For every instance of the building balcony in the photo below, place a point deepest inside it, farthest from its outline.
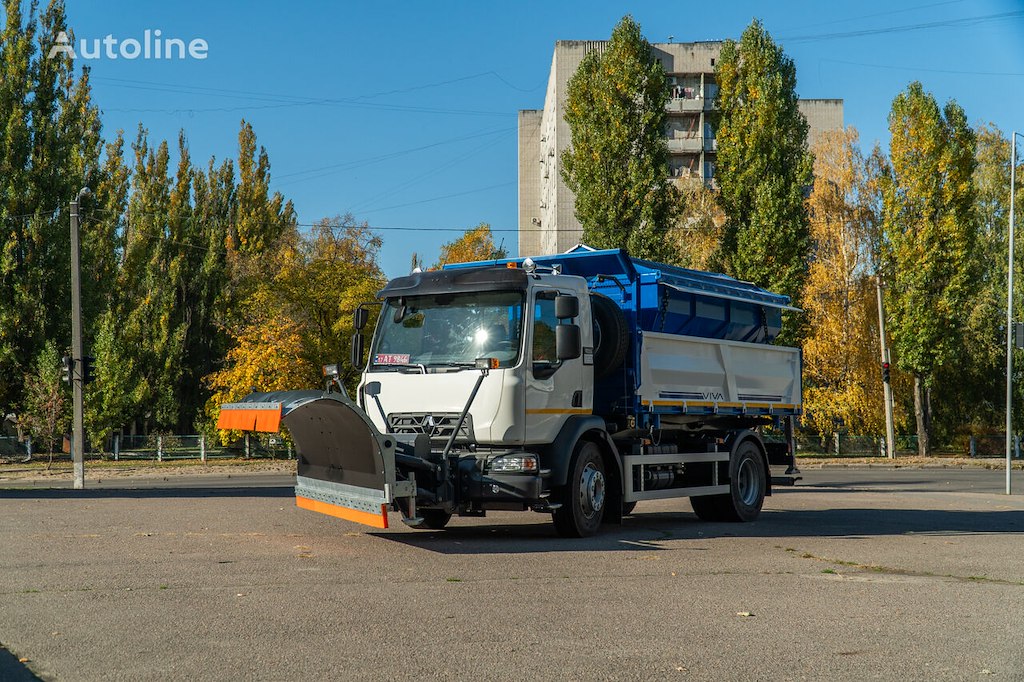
(682, 105)
(685, 145)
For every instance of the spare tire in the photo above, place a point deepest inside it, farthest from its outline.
(611, 335)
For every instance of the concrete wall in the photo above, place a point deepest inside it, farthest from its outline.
(529, 181)
(821, 115)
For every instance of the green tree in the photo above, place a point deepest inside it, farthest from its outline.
(475, 244)
(763, 166)
(978, 400)
(259, 218)
(17, 334)
(617, 166)
(195, 246)
(49, 148)
(46, 411)
(930, 236)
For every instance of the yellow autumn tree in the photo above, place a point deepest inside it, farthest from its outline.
(330, 272)
(696, 234)
(842, 375)
(299, 317)
(267, 356)
(476, 244)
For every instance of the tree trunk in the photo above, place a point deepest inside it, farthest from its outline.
(921, 413)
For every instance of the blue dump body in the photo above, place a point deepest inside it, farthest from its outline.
(664, 298)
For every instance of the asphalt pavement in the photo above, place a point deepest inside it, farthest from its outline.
(854, 574)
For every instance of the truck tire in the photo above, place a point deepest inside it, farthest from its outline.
(435, 518)
(584, 494)
(748, 483)
(611, 335)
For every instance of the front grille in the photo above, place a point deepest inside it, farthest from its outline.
(438, 425)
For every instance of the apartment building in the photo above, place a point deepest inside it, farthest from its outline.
(547, 220)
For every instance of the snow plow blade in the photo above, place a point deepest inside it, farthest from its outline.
(346, 467)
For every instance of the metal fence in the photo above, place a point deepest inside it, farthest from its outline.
(172, 446)
(160, 447)
(850, 445)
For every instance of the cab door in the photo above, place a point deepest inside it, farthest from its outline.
(554, 388)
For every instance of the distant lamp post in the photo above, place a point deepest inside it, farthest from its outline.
(1009, 313)
(78, 366)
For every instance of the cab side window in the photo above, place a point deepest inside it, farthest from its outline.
(544, 322)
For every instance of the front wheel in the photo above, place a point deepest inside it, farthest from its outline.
(584, 495)
(435, 518)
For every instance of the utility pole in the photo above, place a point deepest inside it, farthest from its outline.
(78, 433)
(890, 430)
(1009, 314)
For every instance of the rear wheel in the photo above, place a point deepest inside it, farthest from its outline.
(748, 483)
(584, 495)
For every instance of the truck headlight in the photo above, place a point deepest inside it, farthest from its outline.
(518, 462)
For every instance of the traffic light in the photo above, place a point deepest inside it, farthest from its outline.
(88, 374)
(885, 372)
(67, 369)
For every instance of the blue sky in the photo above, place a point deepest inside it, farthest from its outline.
(404, 113)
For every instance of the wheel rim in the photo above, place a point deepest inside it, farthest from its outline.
(592, 489)
(747, 483)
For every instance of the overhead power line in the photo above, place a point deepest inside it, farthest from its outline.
(897, 67)
(444, 196)
(368, 203)
(946, 23)
(357, 163)
(281, 100)
(902, 10)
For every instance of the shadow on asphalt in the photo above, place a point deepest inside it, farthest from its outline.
(648, 532)
(924, 485)
(144, 493)
(13, 670)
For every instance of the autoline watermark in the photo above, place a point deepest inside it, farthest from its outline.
(152, 46)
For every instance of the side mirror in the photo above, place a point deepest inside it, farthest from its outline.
(567, 307)
(568, 343)
(360, 317)
(357, 351)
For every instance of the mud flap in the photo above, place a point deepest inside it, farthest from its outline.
(346, 467)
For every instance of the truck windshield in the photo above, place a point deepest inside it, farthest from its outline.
(449, 330)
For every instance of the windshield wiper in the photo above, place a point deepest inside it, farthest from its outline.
(456, 365)
(401, 367)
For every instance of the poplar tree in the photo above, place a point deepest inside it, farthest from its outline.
(49, 149)
(16, 332)
(617, 166)
(978, 401)
(929, 224)
(763, 166)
